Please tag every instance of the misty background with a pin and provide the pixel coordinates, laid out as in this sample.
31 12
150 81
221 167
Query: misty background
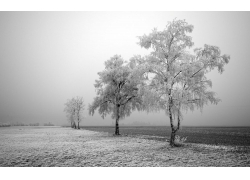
49 57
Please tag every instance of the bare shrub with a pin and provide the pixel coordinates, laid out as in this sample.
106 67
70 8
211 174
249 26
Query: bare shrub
179 141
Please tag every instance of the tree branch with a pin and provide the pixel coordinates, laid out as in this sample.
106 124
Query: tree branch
161 74
197 72
106 102
127 100
177 74
193 100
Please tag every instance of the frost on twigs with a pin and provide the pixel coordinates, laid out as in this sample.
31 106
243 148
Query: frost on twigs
178 79
117 90
74 108
179 141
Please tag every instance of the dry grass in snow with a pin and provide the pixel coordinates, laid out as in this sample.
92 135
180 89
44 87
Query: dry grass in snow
57 146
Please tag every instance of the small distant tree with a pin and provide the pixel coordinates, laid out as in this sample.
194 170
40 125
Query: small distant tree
117 91
74 108
79 107
178 78
70 112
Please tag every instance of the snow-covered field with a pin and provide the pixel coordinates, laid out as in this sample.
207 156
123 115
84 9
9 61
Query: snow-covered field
57 146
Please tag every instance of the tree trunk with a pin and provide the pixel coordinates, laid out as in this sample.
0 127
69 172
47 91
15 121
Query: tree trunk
78 125
117 121
172 138
117 127
174 130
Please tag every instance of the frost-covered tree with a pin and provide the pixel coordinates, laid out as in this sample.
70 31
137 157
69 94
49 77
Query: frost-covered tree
70 112
74 108
178 78
117 91
79 107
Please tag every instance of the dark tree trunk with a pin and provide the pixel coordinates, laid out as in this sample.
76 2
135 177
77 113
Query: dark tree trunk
74 125
172 138
78 125
117 121
117 127
173 130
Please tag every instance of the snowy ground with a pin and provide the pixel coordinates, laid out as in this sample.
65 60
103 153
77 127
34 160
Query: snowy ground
57 146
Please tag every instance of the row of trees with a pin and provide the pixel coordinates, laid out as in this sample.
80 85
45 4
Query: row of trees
34 124
22 124
74 108
171 78
48 124
5 125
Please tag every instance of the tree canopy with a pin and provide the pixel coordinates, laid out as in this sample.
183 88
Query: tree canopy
117 90
179 79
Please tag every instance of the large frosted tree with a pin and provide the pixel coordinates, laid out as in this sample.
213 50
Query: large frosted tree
177 77
117 91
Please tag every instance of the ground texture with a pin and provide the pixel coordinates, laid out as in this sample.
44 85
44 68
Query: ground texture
57 146
226 136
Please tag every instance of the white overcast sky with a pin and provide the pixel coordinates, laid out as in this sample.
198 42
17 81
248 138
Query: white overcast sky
49 57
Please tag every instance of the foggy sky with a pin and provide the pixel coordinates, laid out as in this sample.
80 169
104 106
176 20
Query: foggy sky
49 57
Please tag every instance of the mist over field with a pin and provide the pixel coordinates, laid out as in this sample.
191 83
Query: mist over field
49 57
